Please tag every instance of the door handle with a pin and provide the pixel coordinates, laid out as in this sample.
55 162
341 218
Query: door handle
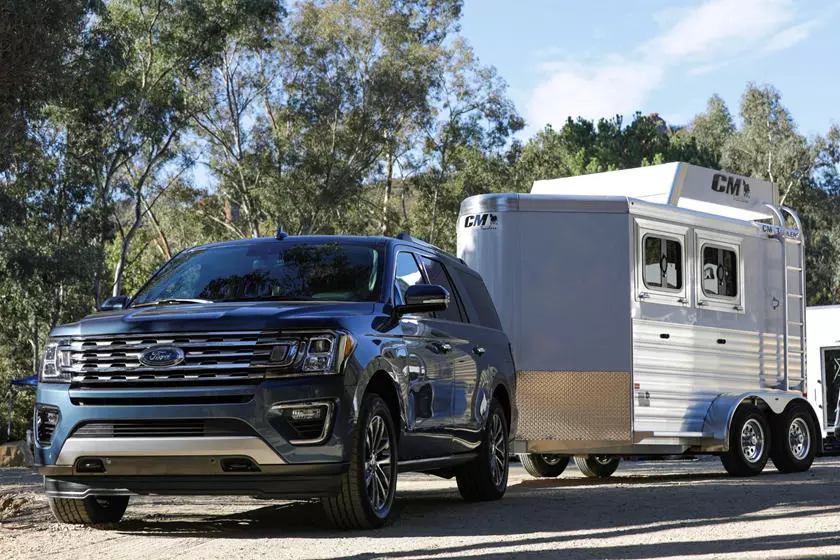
480 350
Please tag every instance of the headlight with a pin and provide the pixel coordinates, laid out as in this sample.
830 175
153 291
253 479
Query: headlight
319 353
54 367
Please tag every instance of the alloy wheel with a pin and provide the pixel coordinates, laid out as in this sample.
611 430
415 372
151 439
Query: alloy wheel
378 465
498 450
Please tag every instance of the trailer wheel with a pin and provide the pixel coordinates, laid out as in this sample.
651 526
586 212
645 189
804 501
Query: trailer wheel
597 466
793 448
749 442
547 466
92 510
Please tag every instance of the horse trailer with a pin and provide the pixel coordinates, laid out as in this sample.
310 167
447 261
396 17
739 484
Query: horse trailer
651 311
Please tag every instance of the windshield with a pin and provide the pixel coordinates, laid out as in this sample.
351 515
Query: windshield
269 271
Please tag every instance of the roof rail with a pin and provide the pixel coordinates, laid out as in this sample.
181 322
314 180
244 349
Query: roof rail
404 236
407 237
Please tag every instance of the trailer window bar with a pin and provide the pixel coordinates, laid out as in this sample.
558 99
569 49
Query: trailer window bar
662 263
720 276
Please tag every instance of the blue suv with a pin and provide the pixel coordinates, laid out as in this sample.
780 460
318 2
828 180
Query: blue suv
287 367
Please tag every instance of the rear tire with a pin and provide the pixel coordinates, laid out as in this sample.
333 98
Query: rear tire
485 478
544 466
93 510
366 497
794 443
597 466
749 442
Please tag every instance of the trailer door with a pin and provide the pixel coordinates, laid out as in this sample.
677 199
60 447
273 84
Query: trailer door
831 384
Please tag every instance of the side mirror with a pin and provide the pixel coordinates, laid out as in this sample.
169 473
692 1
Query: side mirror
114 303
424 298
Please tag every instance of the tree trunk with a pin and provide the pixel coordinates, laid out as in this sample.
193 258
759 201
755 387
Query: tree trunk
389 183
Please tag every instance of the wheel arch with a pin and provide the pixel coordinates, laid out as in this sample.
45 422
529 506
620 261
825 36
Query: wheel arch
718 420
387 387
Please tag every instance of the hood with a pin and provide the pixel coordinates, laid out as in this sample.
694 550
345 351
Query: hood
215 317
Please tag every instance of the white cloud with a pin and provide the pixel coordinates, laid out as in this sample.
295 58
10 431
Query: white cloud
695 40
720 27
592 91
790 36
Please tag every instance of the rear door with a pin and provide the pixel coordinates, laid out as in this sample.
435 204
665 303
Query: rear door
489 350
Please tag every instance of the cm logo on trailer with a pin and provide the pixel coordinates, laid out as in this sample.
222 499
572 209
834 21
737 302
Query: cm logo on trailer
483 221
730 185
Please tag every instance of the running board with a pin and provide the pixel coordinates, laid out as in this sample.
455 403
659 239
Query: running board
433 463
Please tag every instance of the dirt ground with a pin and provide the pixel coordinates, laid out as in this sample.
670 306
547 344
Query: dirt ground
673 509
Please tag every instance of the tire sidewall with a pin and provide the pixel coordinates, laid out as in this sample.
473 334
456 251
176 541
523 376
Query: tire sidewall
783 441
496 409
735 439
374 405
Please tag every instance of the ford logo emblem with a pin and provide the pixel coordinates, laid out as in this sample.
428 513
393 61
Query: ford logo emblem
162 356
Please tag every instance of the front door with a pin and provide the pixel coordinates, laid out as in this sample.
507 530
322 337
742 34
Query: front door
426 371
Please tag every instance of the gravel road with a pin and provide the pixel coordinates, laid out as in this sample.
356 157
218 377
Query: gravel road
666 509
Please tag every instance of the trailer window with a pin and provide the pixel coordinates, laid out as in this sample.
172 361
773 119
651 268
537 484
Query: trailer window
663 265
720 272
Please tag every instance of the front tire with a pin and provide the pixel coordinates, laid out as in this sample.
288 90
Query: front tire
93 510
749 442
368 487
544 466
597 466
485 478
794 443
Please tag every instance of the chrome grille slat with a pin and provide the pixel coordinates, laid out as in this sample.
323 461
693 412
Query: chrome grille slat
208 357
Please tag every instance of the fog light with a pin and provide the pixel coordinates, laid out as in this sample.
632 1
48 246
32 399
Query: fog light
314 413
46 420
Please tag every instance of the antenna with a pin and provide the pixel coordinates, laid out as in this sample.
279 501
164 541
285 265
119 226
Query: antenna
280 233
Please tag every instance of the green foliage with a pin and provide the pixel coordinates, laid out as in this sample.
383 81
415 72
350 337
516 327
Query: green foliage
336 116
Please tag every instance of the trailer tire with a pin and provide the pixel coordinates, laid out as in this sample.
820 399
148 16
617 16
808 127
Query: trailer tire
544 466
749 442
484 479
92 510
793 448
597 466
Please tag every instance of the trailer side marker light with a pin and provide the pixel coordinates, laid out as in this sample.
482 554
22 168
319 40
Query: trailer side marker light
636 386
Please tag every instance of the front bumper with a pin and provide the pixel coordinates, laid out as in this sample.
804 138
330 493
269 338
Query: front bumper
264 443
281 481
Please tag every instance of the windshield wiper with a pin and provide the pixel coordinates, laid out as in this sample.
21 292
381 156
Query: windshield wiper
274 298
171 301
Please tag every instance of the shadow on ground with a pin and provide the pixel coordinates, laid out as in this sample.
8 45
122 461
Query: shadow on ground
620 506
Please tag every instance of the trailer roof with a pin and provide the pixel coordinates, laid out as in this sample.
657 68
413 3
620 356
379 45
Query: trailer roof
679 185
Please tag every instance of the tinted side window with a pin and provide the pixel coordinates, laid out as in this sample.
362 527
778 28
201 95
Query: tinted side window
437 275
476 298
408 274
663 263
720 272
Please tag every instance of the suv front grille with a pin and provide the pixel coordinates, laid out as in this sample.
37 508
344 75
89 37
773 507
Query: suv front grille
208 357
213 427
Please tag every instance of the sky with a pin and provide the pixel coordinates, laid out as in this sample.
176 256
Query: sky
599 58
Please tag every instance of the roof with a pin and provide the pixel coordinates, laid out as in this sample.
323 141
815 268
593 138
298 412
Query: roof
681 185
361 239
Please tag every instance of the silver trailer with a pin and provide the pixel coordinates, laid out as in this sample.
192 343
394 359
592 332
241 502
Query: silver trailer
823 371
652 311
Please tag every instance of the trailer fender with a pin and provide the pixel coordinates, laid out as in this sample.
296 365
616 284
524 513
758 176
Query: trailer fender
719 415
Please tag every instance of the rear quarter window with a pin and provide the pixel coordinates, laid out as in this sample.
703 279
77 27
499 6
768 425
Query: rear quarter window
476 299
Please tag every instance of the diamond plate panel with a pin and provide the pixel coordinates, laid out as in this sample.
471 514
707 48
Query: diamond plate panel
574 405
